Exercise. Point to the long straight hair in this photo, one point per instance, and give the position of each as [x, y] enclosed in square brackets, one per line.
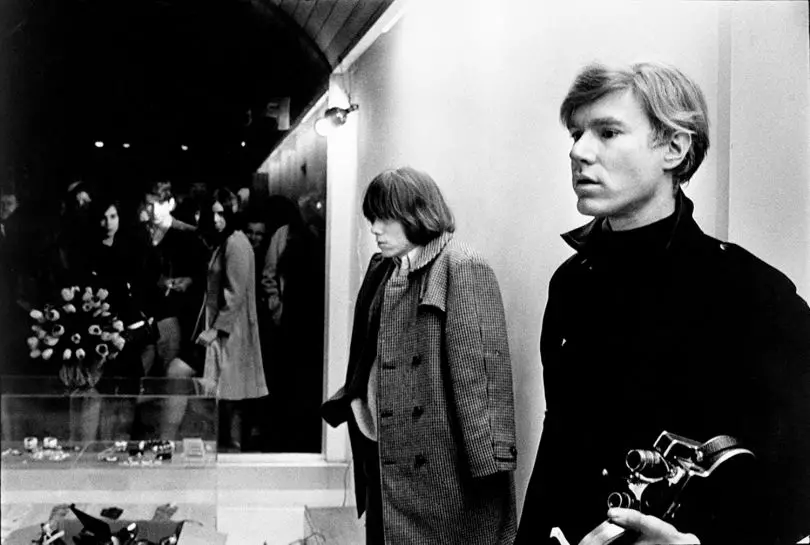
[412, 198]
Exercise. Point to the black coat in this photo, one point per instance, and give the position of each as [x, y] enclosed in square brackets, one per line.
[669, 329]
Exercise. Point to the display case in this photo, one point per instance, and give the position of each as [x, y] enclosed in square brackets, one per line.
[142, 449]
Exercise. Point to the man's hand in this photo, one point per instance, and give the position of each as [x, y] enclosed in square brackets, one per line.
[646, 529]
[207, 337]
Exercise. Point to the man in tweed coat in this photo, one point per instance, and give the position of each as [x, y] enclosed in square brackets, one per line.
[428, 396]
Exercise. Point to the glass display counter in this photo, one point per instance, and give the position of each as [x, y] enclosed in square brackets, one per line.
[144, 449]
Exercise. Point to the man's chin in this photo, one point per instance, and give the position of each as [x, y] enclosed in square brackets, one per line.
[587, 207]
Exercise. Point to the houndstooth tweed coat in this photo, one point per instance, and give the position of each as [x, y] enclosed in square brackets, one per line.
[446, 432]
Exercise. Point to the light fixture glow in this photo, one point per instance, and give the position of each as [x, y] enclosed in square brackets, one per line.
[99, 144]
[126, 145]
[243, 143]
[183, 147]
[332, 119]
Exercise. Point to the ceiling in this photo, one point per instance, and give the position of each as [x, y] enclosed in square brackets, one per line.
[161, 76]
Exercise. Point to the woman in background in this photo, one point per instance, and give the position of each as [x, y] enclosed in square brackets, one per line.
[233, 356]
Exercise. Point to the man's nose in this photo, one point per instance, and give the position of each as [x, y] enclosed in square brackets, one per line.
[583, 150]
[376, 227]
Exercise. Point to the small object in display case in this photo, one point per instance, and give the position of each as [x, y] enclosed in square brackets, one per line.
[111, 513]
[193, 448]
[50, 443]
[30, 444]
[50, 535]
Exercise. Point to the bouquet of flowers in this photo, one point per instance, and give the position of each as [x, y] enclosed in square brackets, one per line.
[80, 333]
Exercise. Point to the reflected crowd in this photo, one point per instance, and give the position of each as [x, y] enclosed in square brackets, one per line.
[220, 297]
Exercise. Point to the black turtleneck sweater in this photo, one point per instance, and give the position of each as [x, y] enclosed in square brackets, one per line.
[663, 328]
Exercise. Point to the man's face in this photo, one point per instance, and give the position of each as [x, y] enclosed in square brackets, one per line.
[8, 204]
[256, 232]
[391, 238]
[160, 211]
[616, 170]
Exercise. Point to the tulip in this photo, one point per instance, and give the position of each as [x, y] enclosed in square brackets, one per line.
[69, 308]
[87, 307]
[76, 338]
[102, 294]
[40, 333]
[80, 354]
[102, 350]
[35, 354]
[51, 341]
[58, 330]
[87, 296]
[118, 341]
[52, 314]
[94, 330]
[118, 325]
[106, 336]
[37, 315]
[66, 354]
[68, 294]
[47, 353]
[33, 342]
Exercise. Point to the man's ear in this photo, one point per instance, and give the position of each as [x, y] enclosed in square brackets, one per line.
[676, 149]
[172, 204]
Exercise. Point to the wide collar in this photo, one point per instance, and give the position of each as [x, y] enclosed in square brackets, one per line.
[429, 251]
[585, 239]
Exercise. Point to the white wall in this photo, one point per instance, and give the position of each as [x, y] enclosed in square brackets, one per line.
[470, 92]
[769, 191]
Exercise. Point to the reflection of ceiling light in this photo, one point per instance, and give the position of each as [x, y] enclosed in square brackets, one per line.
[243, 143]
[184, 147]
[332, 119]
[99, 144]
[126, 145]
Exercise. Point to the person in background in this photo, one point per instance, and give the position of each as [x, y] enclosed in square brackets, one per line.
[292, 295]
[654, 326]
[230, 332]
[174, 270]
[428, 396]
[8, 204]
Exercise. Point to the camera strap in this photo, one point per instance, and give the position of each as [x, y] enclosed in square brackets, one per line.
[717, 450]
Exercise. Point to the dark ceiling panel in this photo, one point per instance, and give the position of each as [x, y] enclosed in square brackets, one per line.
[355, 27]
[320, 13]
[157, 74]
[331, 26]
[302, 11]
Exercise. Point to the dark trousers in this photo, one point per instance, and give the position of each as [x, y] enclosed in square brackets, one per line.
[371, 471]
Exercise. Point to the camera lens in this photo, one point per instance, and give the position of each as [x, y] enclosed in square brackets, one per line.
[648, 462]
[621, 499]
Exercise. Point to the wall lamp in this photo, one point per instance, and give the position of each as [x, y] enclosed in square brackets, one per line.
[333, 118]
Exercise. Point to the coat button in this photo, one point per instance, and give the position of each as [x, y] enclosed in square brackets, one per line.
[418, 411]
[420, 460]
[416, 360]
[723, 246]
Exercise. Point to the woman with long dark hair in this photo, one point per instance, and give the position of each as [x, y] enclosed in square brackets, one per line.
[233, 357]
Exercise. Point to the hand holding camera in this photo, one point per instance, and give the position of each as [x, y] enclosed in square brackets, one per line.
[644, 510]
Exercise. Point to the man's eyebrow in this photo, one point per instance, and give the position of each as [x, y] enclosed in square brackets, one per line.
[606, 121]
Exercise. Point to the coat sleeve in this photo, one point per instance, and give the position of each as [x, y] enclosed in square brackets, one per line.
[234, 285]
[270, 279]
[480, 368]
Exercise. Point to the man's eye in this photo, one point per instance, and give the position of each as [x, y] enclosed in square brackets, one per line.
[608, 133]
[576, 135]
